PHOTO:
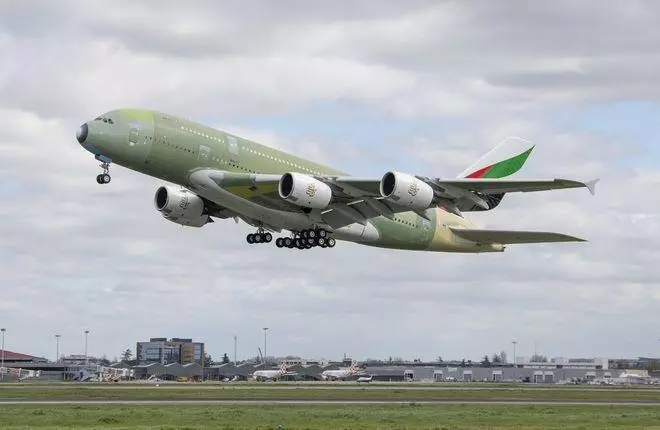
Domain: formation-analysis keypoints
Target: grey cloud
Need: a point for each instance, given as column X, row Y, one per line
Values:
column 77, row 255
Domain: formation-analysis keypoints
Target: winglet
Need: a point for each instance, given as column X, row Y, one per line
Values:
column 591, row 186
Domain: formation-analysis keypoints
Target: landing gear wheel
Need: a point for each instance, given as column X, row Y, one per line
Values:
column 268, row 237
column 279, row 242
column 250, row 238
column 322, row 233
column 104, row 178
column 258, row 238
column 321, row 242
column 311, row 241
column 331, row 242
column 288, row 242
column 311, row 233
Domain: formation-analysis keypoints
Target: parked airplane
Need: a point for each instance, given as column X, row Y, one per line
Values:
column 333, row 375
column 220, row 175
column 269, row 375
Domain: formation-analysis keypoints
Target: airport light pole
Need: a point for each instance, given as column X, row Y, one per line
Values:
column 514, row 342
column 265, row 351
column 235, row 342
column 2, row 366
column 57, row 347
column 86, row 335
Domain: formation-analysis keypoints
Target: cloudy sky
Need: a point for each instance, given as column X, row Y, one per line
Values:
column 420, row 86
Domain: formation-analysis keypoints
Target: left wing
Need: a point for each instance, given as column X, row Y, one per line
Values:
column 344, row 200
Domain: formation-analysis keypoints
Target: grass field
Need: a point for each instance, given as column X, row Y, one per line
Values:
column 343, row 392
column 408, row 415
column 330, row 417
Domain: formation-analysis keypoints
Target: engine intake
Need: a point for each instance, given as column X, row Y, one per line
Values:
column 181, row 206
column 405, row 190
column 304, row 191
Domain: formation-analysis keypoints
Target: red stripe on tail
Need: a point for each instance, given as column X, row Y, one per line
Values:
column 479, row 173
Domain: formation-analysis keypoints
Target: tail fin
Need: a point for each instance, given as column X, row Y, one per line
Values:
column 354, row 367
column 283, row 368
column 505, row 159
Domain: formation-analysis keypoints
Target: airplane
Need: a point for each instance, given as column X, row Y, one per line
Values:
column 333, row 375
column 365, row 379
column 216, row 174
column 269, row 375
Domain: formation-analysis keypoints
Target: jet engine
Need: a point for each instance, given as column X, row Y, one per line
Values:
column 305, row 191
column 181, row 206
column 405, row 190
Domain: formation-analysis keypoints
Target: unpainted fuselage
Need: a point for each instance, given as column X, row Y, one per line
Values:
column 173, row 149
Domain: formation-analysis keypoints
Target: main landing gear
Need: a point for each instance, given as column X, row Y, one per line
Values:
column 261, row 236
column 307, row 239
column 104, row 178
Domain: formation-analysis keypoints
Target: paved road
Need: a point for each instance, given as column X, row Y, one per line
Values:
column 320, row 402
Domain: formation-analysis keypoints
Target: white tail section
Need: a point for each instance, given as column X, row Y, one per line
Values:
column 505, row 159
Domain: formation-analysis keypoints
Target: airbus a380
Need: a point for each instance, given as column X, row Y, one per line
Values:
column 215, row 174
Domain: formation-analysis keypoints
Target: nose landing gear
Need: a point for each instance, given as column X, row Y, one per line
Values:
column 104, row 178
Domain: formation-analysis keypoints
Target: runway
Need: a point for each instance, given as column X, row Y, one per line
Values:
column 338, row 387
column 322, row 402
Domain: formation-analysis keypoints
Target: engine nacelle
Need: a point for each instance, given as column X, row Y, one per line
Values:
column 181, row 206
column 305, row 191
column 405, row 190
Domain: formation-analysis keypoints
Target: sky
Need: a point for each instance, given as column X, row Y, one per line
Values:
column 424, row 87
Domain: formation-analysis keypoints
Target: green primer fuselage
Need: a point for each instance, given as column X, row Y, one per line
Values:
column 171, row 148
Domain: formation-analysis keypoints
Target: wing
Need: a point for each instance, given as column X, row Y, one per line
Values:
column 356, row 200
column 364, row 195
column 509, row 237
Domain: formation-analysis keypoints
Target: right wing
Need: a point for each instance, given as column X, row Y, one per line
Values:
column 505, row 237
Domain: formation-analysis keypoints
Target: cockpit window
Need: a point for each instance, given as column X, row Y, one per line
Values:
column 104, row 119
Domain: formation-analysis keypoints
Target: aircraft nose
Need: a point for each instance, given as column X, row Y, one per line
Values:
column 81, row 133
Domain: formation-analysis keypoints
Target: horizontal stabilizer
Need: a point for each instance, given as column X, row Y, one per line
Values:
column 508, row 237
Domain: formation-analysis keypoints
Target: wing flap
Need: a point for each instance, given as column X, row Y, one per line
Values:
column 505, row 237
column 498, row 186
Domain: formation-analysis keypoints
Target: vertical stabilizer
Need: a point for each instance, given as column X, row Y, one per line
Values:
column 505, row 159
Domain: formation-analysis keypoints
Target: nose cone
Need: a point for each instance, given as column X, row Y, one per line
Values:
column 81, row 133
